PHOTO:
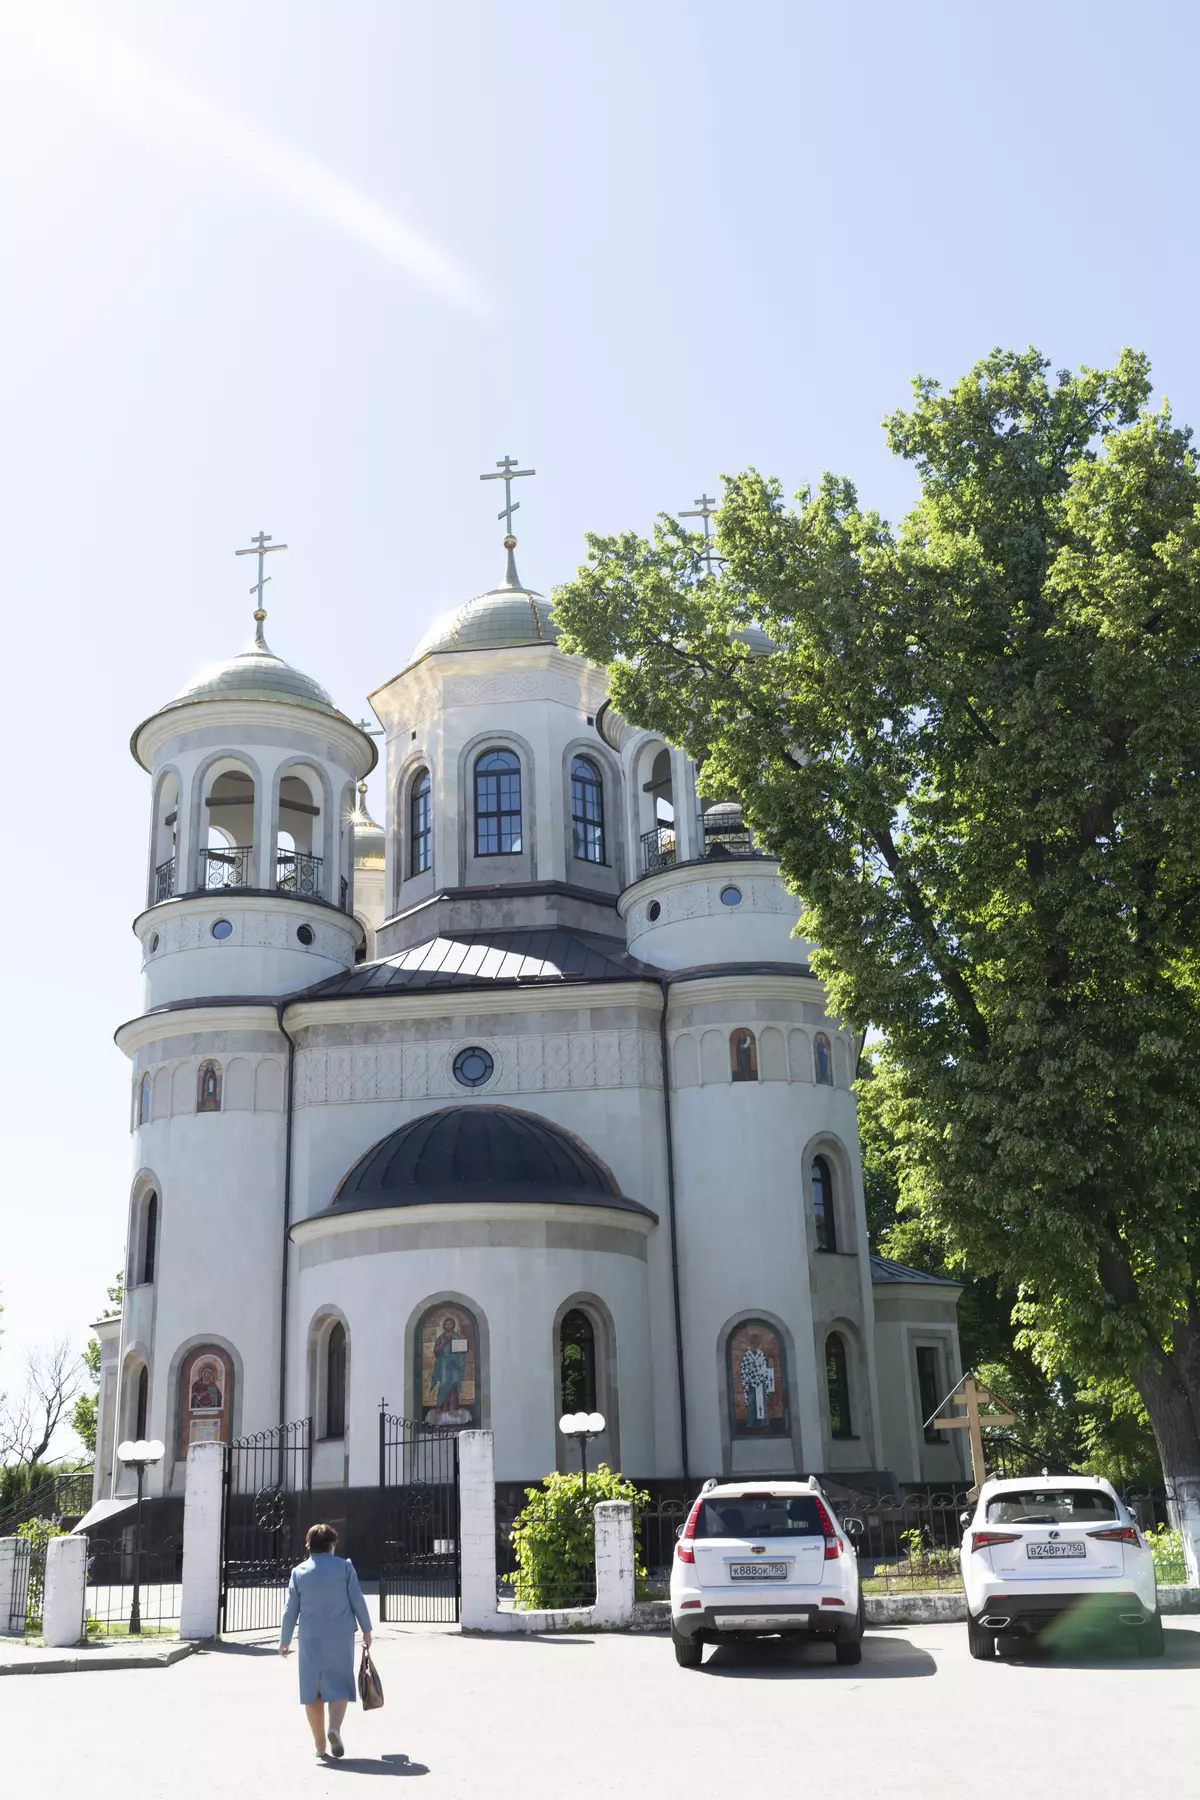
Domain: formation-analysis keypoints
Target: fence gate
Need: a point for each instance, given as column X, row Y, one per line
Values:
column 268, row 1484
column 419, row 1565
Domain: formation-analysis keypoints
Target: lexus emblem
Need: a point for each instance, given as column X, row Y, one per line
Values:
column 1054, row 1534
column 758, row 1549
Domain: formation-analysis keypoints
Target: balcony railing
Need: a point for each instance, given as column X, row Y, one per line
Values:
column 164, row 881
column 232, row 867
column 658, row 849
column 721, row 831
column 296, row 872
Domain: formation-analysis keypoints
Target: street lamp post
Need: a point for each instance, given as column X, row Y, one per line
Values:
column 583, row 1426
column 139, row 1455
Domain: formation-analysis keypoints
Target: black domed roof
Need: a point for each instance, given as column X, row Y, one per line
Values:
column 479, row 1153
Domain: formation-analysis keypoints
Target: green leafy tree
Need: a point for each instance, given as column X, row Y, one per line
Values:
column 974, row 750
column 83, row 1415
column 554, row 1539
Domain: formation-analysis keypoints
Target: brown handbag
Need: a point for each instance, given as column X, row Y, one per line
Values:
column 370, row 1688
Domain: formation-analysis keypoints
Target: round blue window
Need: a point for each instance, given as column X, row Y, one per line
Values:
column 473, row 1067
column 731, row 896
column 222, row 929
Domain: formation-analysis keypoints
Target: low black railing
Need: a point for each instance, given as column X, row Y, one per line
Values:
column 658, row 849
column 726, row 835
column 229, row 868
column 164, row 881
column 296, row 872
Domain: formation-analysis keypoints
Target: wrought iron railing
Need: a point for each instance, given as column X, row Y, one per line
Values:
column 228, row 868
column 658, row 849
column 164, row 881
column 725, row 834
column 296, row 872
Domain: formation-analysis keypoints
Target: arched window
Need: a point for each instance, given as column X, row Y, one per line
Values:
column 498, row 803
column 205, row 1399
column 743, row 1055
column 587, row 810
column 143, row 1104
column 447, row 1362
column 838, row 1384
column 824, row 1059
column 150, row 1241
column 208, row 1088
column 822, row 1204
column 143, row 1402
column 420, row 824
column 577, row 1362
column 757, row 1382
column 335, row 1382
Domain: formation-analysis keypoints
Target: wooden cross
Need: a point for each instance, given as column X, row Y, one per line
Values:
column 972, row 1396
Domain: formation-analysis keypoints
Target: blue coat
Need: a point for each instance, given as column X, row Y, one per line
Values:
column 325, row 1597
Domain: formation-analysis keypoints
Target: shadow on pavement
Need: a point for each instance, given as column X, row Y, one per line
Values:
column 884, row 1659
column 225, row 1647
column 1089, row 1650
column 395, row 1764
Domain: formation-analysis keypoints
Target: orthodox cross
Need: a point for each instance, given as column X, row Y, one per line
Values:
column 260, row 546
column 974, row 1396
column 369, row 730
column 508, row 472
column 706, row 506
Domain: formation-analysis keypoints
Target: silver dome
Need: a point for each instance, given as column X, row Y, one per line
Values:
column 369, row 848
column 498, row 620
column 257, row 674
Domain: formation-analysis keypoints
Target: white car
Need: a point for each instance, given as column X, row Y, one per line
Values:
column 764, row 1559
column 1037, row 1548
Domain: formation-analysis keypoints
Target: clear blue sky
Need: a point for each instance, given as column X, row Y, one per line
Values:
column 311, row 268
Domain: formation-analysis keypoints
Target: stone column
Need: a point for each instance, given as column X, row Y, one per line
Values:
column 200, row 1601
column 13, row 1567
column 62, row 1600
column 477, row 1530
column 614, row 1563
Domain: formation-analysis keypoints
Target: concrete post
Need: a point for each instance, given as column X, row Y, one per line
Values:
column 14, row 1565
column 614, row 1563
column 477, row 1530
column 63, row 1596
column 200, row 1600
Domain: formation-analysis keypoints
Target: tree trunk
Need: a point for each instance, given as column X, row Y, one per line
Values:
column 1173, row 1404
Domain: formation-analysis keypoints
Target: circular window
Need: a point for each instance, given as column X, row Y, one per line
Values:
column 653, row 910
column 306, row 934
column 731, row 896
column 153, row 942
column 222, row 929
column 473, row 1067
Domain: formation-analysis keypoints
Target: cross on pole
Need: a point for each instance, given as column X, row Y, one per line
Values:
column 260, row 546
column 508, row 472
column 706, row 506
column 974, row 1396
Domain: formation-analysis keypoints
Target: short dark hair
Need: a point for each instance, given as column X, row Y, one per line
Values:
column 320, row 1539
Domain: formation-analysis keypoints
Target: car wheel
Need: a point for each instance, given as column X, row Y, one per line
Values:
column 1151, row 1641
column 689, row 1652
column 848, row 1650
column 981, row 1643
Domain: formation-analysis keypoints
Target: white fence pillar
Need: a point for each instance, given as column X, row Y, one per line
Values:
column 477, row 1530
column 14, row 1576
column 614, row 1563
column 62, row 1597
column 200, row 1601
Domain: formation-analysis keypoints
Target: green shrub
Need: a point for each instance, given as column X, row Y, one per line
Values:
column 554, row 1539
column 1166, row 1546
column 38, row 1532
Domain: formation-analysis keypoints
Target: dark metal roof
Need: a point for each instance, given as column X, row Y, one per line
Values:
column 885, row 1272
column 486, row 958
column 465, row 1153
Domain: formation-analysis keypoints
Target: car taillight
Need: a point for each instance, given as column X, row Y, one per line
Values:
column 982, row 1539
column 833, row 1543
column 1117, row 1534
column 683, row 1548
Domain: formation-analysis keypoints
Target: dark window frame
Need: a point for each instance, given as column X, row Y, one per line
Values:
column 743, row 1067
column 420, row 824
column 929, row 1395
column 142, row 1403
column 498, row 801
column 587, row 811
column 335, row 1381
column 837, row 1386
column 578, row 1389
column 823, row 1067
column 150, row 1240
column 820, row 1177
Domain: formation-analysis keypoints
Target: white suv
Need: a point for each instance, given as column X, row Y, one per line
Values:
column 763, row 1559
column 1038, row 1548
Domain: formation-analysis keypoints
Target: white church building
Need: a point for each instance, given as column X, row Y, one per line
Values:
column 524, row 1101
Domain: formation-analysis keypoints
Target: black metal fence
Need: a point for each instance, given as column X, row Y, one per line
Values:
column 229, row 868
column 20, row 1617
column 296, row 872
column 655, row 1530
column 61, row 1497
column 164, row 881
column 419, row 1571
column 131, row 1592
column 267, row 1506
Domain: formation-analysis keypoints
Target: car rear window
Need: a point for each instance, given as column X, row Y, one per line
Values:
column 1050, row 1506
column 758, row 1516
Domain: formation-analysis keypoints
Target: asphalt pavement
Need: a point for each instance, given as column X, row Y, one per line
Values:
column 544, row 1718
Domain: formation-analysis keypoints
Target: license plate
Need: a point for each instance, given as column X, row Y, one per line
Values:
column 758, row 1571
column 1037, row 1551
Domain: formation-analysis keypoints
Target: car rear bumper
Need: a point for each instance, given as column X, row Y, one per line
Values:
column 1031, row 1612
column 765, row 1620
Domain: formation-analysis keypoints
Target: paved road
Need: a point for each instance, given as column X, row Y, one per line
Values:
column 544, row 1719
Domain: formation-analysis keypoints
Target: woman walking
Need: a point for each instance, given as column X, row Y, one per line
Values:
column 325, row 1597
